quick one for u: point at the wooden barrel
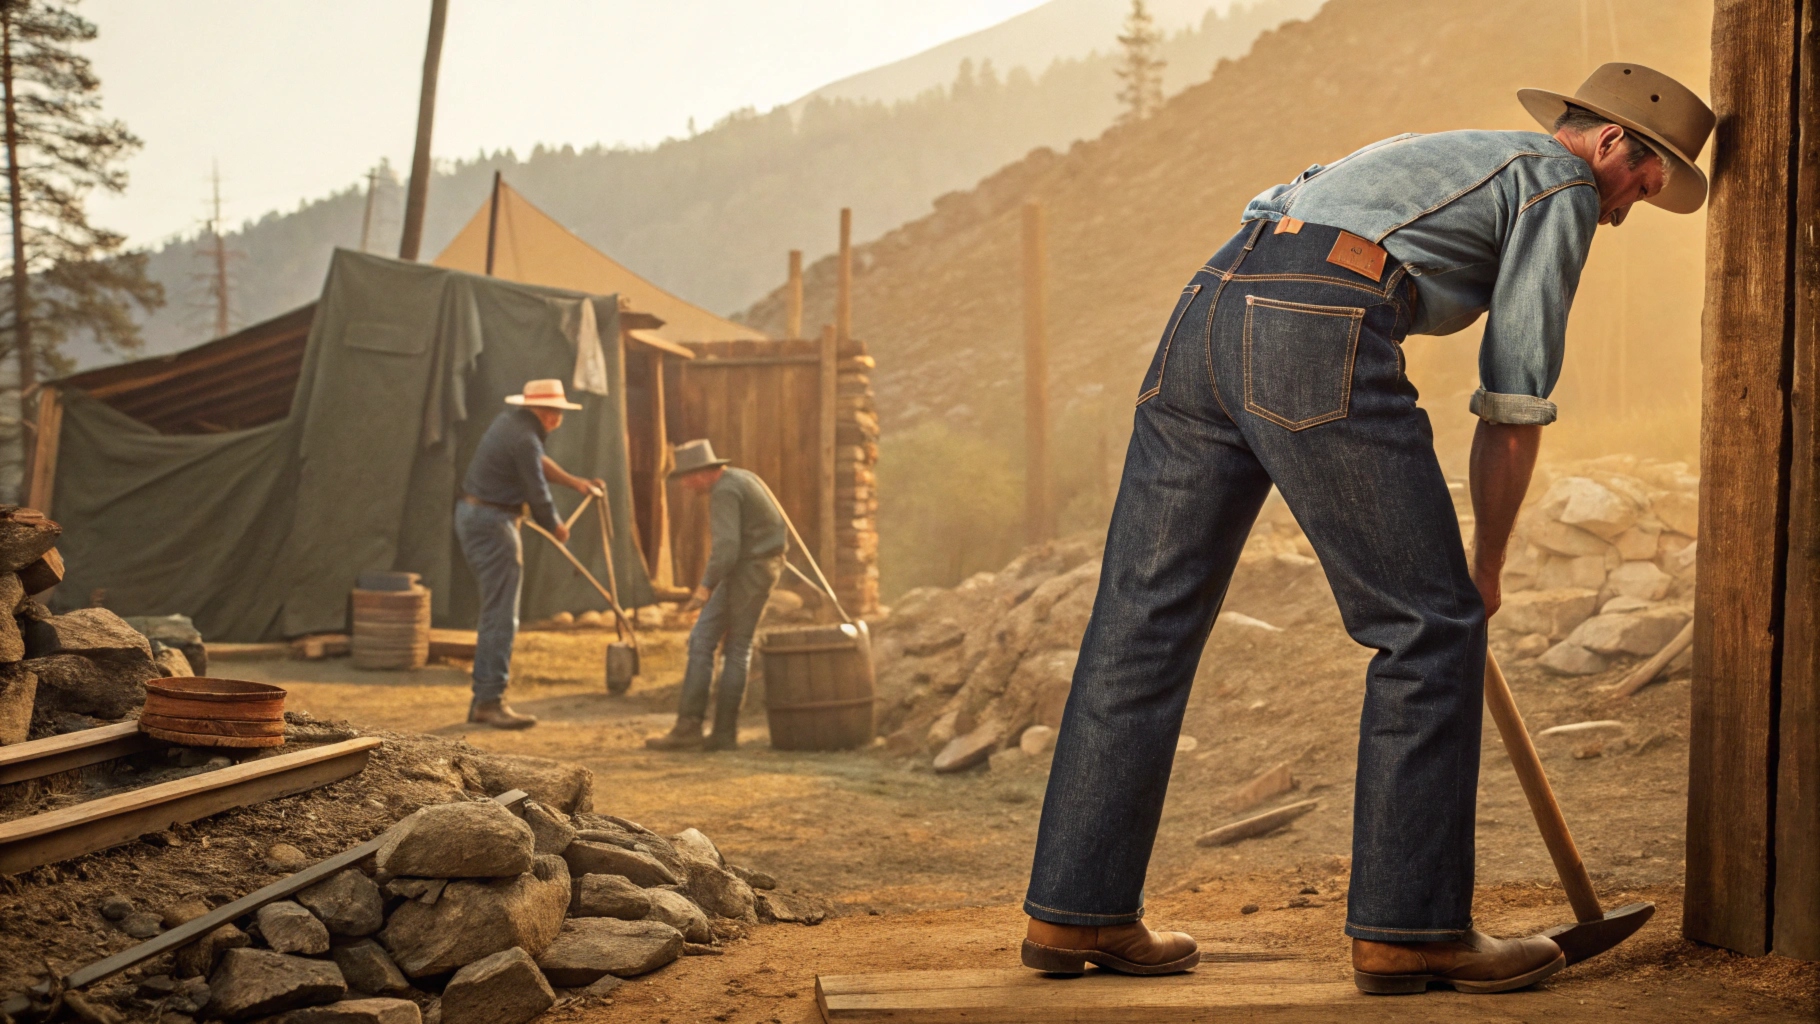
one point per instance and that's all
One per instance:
(201, 712)
(391, 628)
(818, 686)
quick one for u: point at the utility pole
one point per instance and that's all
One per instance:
(1039, 522)
(220, 260)
(793, 317)
(22, 305)
(843, 300)
(366, 219)
(418, 195)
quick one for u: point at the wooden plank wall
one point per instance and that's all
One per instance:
(1751, 767)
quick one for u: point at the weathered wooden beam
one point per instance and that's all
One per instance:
(72, 750)
(843, 295)
(793, 297)
(41, 475)
(26, 843)
(1744, 485)
(1257, 824)
(828, 540)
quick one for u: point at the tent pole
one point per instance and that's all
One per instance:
(418, 196)
(492, 223)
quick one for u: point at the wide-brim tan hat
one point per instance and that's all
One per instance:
(1666, 113)
(695, 456)
(543, 394)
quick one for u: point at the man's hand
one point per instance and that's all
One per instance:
(697, 599)
(561, 533)
(1503, 458)
(596, 487)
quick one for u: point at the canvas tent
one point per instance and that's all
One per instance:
(339, 436)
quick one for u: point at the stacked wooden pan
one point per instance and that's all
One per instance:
(198, 711)
(391, 621)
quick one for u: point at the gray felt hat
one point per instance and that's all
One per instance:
(694, 456)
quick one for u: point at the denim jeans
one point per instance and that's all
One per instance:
(1278, 366)
(490, 541)
(730, 616)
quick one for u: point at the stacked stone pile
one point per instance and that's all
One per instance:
(470, 914)
(1602, 565)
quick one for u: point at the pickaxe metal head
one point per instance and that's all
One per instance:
(1584, 940)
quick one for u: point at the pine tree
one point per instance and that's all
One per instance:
(69, 276)
(1140, 69)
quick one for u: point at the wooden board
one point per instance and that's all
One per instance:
(1744, 480)
(1796, 913)
(247, 651)
(1230, 991)
(53, 754)
(57, 835)
(453, 643)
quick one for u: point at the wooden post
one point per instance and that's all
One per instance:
(1753, 770)
(843, 299)
(658, 559)
(41, 479)
(793, 295)
(493, 223)
(830, 378)
(1038, 519)
(418, 196)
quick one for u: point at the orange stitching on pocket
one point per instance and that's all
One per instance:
(1193, 291)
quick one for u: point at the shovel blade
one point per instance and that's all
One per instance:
(1586, 939)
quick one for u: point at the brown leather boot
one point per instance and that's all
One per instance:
(684, 735)
(499, 715)
(1475, 962)
(1125, 948)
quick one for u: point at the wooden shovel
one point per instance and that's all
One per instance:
(1594, 931)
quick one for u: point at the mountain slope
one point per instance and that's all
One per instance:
(1133, 213)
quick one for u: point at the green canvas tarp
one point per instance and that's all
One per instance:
(260, 534)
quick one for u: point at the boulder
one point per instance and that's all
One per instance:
(1679, 511)
(692, 844)
(564, 786)
(25, 536)
(609, 896)
(18, 692)
(1639, 633)
(251, 983)
(791, 908)
(12, 642)
(198, 959)
(1591, 506)
(480, 839)
(1640, 541)
(719, 892)
(42, 574)
(551, 828)
(355, 1011)
(285, 858)
(475, 919)
(586, 857)
(423, 890)
(171, 662)
(1570, 659)
(963, 752)
(91, 632)
(1584, 573)
(175, 631)
(1553, 613)
(366, 968)
(1641, 580)
(288, 928)
(590, 948)
(755, 879)
(1037, 740)
(505, 988)
(347, 903)
(1558, 538)
(675, 910)
(107, 689)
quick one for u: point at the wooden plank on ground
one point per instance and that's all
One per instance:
(53, 754)
(1796, 918)
(248, 652)
(1287, 991)
(57, 835)
(1743, 484)
(453, 643)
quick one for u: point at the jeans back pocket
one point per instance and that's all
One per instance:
(1298, 360)
(1159, 363)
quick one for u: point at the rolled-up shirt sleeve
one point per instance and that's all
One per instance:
(1526, 331)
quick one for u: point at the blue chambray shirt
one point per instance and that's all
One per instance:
(508, 466)
(1484, 221)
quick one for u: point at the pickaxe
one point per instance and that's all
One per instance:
(1595, 930)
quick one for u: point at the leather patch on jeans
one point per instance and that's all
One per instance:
(1289, 226)
(1358, 255)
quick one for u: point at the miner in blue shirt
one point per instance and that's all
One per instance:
(508, 475)
(1282, 364)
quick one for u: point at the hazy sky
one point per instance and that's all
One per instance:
(296, 98)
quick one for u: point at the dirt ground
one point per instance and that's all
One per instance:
(928, 869)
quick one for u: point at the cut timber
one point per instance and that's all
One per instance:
(1647, 672)
(452, 643)
(1261, 824)
(43, 574)
(38, 758)
(193, 929)
(248, 652)
(1273, 782)
(98, 824)
(322, 645)
(1223, 989)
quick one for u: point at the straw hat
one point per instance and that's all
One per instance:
(1666, 113)
(694, 456)
(547, 394)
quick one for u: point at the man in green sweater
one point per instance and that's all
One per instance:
(743, 566)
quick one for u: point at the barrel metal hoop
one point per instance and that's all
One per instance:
(849, 646)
